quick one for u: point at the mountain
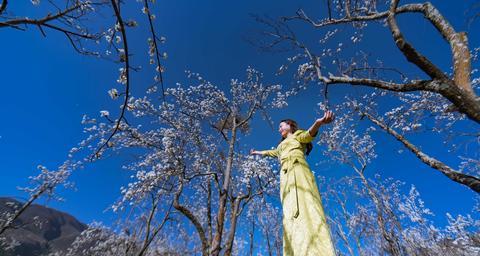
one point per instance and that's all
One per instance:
(39, 230)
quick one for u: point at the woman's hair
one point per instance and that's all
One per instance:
(293, 129)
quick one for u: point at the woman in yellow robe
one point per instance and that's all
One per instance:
(305, 230)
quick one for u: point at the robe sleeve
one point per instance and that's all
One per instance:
(270, 153)
(303, 136)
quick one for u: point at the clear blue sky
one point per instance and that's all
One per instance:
(47, 87)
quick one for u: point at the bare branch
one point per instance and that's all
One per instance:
(470, 181)
(410, 53)
(301, 15)
(196, 223)
(461, 62)
(216, 243)
(3, 6)
(41, 21)
(8, 223)
(426, 85)
(121, 26)
(148, 239)
(154, 40)
(465, 101)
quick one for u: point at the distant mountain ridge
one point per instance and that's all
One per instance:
(52, 230)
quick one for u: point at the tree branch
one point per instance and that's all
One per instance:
(127, 77)
(149, 240)
(233, 227)
(157, 53)
(196, 223)
(410, 53)
(300, 15)
(216, 243)
(466, 102)
(470, 181)
(3, 7)
(420, 85)
(8, 223)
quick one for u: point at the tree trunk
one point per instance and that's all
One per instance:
(222, 207)
(233, 226)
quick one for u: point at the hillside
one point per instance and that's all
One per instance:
(51, 231)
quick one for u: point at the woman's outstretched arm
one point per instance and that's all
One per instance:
(270, 153)
(327, 118)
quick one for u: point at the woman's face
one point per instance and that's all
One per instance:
(284, 129)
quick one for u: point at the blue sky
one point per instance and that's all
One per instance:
(47, 87)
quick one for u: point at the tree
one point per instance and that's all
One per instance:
(45, 185)
(73, 21)
(444, 103)
(355, 221)
(87, 37)
(372, 215)
(191, 156)
(193, 186)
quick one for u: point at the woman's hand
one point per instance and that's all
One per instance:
(254, 152)
(327, 118)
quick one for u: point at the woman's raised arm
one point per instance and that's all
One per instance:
(327, 118)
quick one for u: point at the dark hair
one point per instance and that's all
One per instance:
(293, 129)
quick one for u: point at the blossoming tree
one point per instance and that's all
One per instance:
(413, 96)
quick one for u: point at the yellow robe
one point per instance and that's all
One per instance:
(305, 230)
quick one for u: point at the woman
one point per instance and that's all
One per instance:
(305, 231)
